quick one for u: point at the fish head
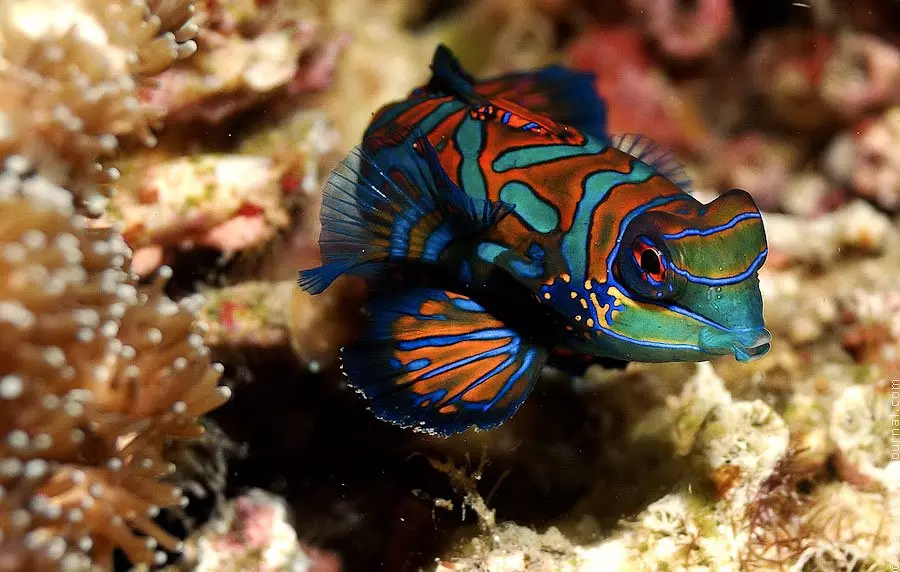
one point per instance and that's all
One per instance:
(685, 285)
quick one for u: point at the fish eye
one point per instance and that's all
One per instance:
(651, 262)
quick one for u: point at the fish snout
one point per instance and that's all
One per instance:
(746, 345)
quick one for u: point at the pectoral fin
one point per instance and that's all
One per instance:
(437, 361)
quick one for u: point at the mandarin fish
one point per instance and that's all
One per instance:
(497, 225)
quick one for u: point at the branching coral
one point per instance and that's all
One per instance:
(69, 78)
(96, 376)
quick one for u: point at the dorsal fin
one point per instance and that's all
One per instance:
(449, 77)
(646, 150)
(566, 96)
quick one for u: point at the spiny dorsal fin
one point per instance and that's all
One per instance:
(448, 76)
(646, 150)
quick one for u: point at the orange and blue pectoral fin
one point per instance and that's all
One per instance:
(439, 362)
(403, 207)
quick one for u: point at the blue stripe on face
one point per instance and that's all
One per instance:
(531, 155)
(712, 230)
(754, 266)
(659, 201)
(597, 186)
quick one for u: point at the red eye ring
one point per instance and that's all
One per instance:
(651, 262)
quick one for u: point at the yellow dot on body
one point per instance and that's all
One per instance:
(573, 295)
(590, 322)
(546, 295)
(577, 318)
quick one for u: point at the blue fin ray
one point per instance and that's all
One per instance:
(375, 213)
(663, 160)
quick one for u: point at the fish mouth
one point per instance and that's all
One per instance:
(746, 345)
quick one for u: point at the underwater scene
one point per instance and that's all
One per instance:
(450, 285)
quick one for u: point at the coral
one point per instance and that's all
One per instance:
(271, 314)
(70, 77)
(248, 314)
(381, 64)
(230, 202)
(686, 32)
(847, 520)
(876, 162)
(871, 320)
(856, 228)
(758, 164)
(253, 532)
(251, 53)
(861, 430)
(743, 440)
(518, 33)
(97, 376)
(640, 99)
(809, 194)
(863, 73)
(512, 548)
(786, 67)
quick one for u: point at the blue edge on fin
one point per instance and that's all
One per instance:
(414, 382)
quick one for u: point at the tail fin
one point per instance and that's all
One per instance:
(404, 208)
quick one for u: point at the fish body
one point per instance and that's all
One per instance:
(498, 221)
